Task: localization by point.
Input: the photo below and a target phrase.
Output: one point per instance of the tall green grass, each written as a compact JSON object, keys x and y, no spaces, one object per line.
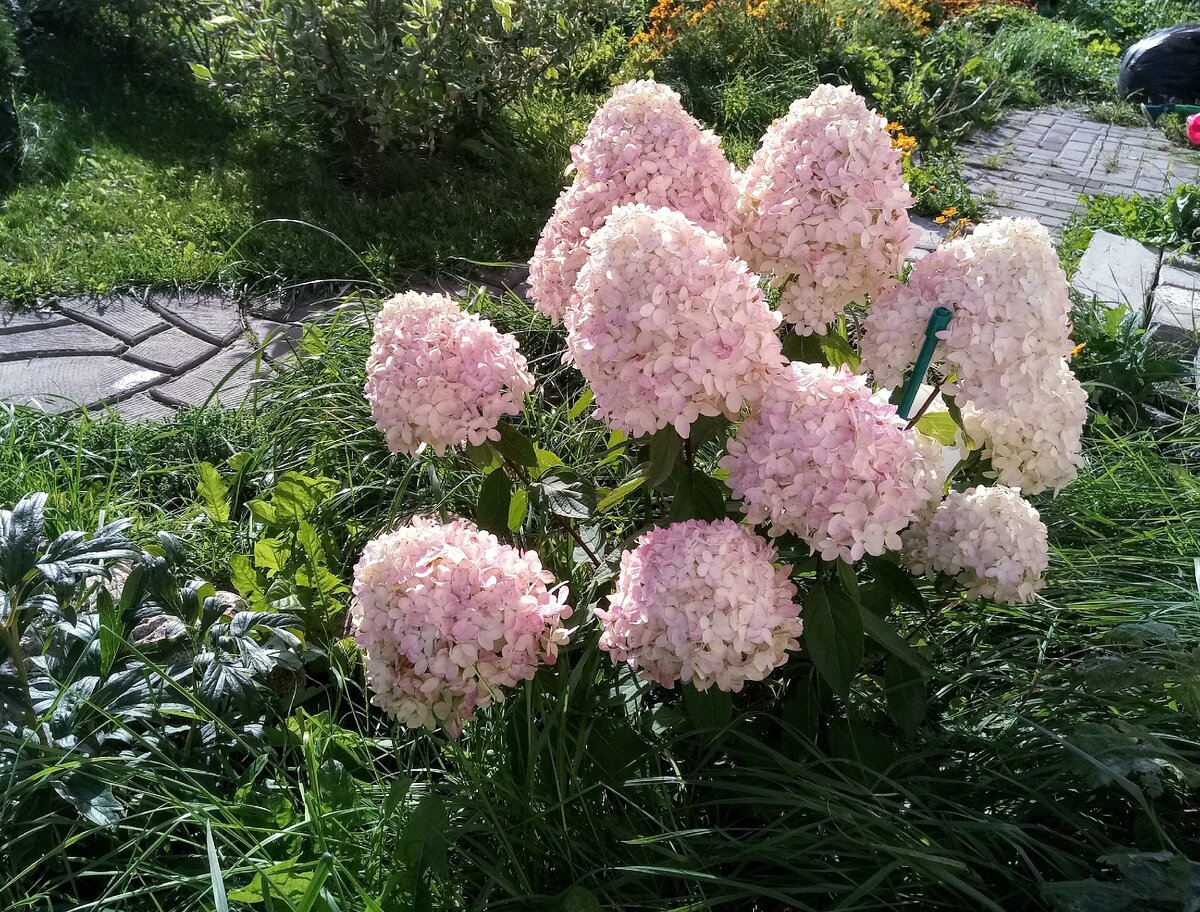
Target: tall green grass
{"x":1057,"y":767}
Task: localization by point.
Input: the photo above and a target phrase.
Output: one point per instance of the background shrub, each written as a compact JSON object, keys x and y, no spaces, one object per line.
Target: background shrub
{"x":388,"y":74}
{"x":10,"y":72}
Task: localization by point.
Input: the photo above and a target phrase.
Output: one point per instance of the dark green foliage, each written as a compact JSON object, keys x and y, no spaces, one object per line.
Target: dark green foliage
{"x":1136,"y":374}
{"x":10,"y":72}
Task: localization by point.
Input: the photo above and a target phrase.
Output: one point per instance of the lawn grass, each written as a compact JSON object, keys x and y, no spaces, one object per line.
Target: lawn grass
{"x":156,"y":180}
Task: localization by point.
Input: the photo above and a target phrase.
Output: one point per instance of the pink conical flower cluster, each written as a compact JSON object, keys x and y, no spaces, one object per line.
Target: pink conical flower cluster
{"x":669,"y":325}
{"x":439,"y":376}
{"x":450,"y":618}
{"x":702,"y":603}
{"x":824,"y":208}
{"x":824,"y":458}
{"x":641,"y":147}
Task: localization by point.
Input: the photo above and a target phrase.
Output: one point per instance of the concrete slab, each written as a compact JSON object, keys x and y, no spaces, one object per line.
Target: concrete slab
{"x":16,"y":322}
{"x":226,"y":378}
{"x":141,"y":407}
{"x":119,"y":315}
{"x":172,"y":351}
{"x":1117,"y":270}
{"x":63,"y":384}
{"x":207,"y":315}
{"x":56,"y":341}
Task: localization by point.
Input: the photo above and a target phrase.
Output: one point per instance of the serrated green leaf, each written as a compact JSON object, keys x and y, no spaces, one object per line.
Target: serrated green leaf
{"x":483,"y":456}
{"x":664,"y":453}
{"x":617,"y":444}
{"x":91,"y":797}
{"x":804,"y":348}
{"x":565,"y":494}
{"x":214,"y":493}
{"x":897,"y":582}
{"x":515,"y":446}
{"x":610,"y":499}
{"x":904,"y":687}
{"x":495,"y":500}
{"x":710,"y":708}
{"x":271,"y":554}
{"x":833,"y":632}
{"x":882,"y":633}
{"x":545,"y":460}
{"x":517,"y":508}
{"x":938,"y":425}
{"x":581,"y":404}
{"x":838,"y":351}
{"x":21,"y":531}
{"x":697,"y":497}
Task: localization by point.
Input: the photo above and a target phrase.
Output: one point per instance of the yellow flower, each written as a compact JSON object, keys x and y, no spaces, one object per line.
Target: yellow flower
{"x":940,"y":219}
{"x":1076,"y":350}
{"x":952,"y":211}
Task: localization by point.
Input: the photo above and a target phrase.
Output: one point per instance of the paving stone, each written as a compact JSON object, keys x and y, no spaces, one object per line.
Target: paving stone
{"x":62,"y":384}
{"x":1116,"y":270}
{"x":1066,"y":155}
{"x":142,"y":407}
{"x":207,"y":315}
{"x":172,"y":351}
{"x":1177,"y":307}
{"x":279,"y":339}
{"x":119,"y":315}
{"x":931,"y":235}
{"x":1181,"y":261}
{"x":234,"y":370}
{"x":53,"y":341}
{"x":1171,"y":274}
{"x":17,"y":322}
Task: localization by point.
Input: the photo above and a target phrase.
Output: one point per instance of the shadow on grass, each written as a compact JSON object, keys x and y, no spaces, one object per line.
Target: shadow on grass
{"x":171,"y":164}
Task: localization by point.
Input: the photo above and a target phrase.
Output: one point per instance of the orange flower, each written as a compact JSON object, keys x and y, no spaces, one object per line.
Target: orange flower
{"x":1076,"y":350}
{"x":940,"y":219}
{"x":952,"y":211}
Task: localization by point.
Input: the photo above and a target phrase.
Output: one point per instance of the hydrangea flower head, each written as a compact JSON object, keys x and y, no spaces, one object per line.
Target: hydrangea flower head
{"x":824,"y":458}
{"x":440,"y":376}
{"x":450,"y":617}
{"x":641,"y":147}
{"x":824,"y":207}
{"x":1034,"y":441}
{"x":702,"y":602}
{"x":1006,"y":346}
{"x":669,"y":325}
{"x":1011,"y":305}
{"x":989,"y":538}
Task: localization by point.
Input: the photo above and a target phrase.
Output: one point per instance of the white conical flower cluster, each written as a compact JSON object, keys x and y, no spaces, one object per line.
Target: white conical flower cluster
{"x":1005,"y":348}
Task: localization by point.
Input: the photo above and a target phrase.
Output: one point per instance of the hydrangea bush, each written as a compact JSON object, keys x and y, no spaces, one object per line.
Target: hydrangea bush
{"x":775,"y":466}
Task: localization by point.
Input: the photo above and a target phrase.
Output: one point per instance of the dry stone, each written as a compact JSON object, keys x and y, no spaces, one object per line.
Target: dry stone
{"x":62,"y":384}
{"x":120,"y":315}
{"x":173,"y":351}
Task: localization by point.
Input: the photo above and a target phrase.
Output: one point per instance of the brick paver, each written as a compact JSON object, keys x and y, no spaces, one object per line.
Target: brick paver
{"x":1038,"y":163}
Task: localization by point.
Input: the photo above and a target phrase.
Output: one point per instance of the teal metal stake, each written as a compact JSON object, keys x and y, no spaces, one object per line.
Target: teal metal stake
{"x":938,"y":320}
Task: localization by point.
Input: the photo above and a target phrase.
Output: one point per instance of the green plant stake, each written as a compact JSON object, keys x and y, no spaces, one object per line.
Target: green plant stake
{"x":938,"y":320}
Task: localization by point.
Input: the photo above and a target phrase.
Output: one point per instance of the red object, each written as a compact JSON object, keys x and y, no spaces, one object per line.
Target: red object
{"x":1193,"y":129}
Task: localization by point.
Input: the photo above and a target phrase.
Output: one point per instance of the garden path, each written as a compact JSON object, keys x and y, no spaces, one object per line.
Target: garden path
{"x":146,"y":354}
{"x":1038,"y":163}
